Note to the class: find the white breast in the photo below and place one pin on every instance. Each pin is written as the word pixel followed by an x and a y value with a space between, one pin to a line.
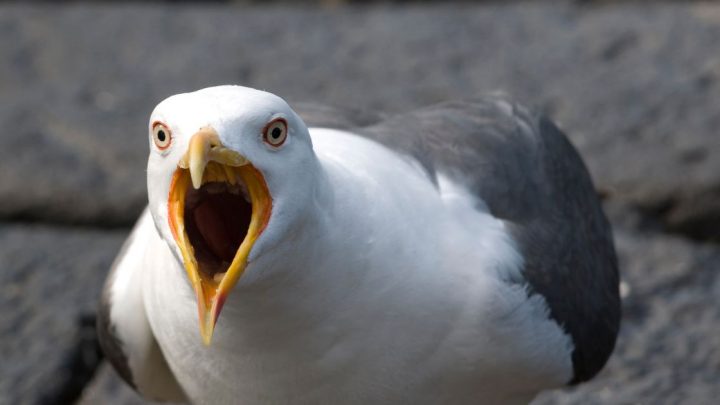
pixel 394 292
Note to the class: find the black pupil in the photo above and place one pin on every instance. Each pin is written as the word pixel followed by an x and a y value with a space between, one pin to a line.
pixel 161 135
pixel 276 132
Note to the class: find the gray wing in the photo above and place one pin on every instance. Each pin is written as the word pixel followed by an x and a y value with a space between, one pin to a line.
pixel 529 175
pixel 123 330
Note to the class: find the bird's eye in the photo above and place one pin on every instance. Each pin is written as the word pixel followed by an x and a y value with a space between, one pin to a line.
pixel 275 133
pixel 161 135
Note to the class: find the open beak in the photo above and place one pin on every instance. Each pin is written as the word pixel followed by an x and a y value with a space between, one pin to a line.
pixel 218 206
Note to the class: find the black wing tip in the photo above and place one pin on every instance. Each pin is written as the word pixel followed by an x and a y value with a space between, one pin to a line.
pixel 592 318
pixel 110 343
pixel 590 360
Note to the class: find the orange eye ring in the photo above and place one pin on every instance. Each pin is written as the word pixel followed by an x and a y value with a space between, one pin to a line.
pixel 275 132
pixel 162 136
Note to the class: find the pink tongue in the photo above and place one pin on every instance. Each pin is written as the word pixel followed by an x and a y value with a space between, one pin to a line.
pixel 213 230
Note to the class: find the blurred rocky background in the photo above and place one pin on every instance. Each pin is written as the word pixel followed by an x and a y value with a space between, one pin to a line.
pixel 636 85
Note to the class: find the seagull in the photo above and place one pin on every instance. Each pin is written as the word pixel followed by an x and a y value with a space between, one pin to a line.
pixel 453 254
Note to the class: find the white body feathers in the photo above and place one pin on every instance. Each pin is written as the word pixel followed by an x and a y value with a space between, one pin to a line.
pixel 387 290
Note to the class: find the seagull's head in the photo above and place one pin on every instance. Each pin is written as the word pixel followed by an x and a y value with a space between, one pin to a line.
pixel 228 170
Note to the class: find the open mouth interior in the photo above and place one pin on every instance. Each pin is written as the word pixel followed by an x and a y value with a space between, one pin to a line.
pixel 217 224
pixel 217 218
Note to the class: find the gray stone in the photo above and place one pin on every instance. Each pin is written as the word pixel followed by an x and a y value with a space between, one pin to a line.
pixel 50 278
pixel 634 86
